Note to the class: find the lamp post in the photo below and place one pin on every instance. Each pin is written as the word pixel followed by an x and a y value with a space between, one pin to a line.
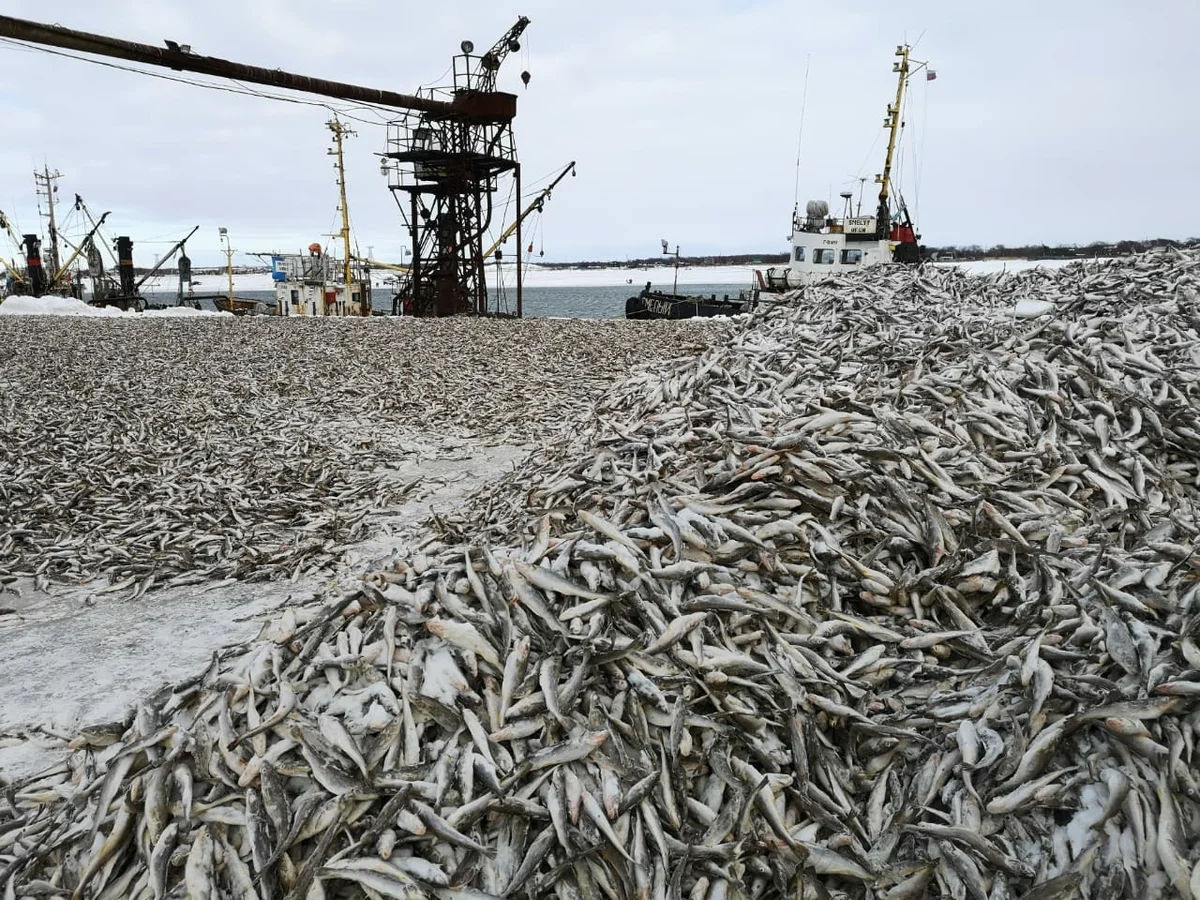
pixel 667 250
pixel 224 232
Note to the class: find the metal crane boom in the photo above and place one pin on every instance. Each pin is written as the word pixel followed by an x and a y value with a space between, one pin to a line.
pixel 174 57
pixel 489 63
pixel 78 250
pixel 162 262
pixel 535 205
pixel 376 264
pixel 12 270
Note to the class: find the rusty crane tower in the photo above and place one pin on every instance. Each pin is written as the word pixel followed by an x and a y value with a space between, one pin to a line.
pixel 449 166
pixel 447 151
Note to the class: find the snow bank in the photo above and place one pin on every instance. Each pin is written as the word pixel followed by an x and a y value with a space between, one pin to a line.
pixel 69 306
pixel 53 306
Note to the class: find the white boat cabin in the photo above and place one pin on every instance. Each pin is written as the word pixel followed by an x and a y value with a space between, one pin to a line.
pixel 316 284
pixel 824 245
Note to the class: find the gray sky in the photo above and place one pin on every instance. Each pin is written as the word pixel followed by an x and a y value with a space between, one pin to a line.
pixel 1056 121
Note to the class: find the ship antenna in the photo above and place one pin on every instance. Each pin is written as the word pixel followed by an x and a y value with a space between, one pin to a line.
pixel 800 139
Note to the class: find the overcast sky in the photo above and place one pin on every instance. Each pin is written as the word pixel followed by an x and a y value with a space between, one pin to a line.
pixel 1057 121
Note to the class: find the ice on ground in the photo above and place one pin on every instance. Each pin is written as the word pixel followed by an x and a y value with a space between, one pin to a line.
pixel 1092 798
pixel 67 664
pixel 54 306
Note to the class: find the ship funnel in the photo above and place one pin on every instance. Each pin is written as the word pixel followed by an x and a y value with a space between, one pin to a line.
pixel 33 260
pixel 125 266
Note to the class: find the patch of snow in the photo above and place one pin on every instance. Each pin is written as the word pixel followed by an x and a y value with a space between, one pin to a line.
pixel 54 306
pixel 441 678
pixel 1031 309
pixel 69 306
pixel 1092 798
pixel 74 658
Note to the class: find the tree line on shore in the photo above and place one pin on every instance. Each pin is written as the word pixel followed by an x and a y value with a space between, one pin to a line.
pixel 946 252
pixel 1059 251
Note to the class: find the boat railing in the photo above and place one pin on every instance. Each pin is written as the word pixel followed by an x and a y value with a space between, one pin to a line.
pixel 855 227
pixel 318 269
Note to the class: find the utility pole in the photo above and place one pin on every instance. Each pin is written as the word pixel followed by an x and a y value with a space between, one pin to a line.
pixel 47 188
pixel 667 251
pixel 340 131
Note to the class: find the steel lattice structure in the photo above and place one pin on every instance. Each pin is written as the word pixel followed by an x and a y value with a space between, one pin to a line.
pixel 449 165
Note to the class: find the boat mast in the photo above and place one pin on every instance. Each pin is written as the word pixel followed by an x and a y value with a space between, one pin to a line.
pixel 45 182
pixel 892 122
pixel 339 131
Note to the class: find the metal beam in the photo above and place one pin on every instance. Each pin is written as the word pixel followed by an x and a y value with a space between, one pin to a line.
pixel 100 45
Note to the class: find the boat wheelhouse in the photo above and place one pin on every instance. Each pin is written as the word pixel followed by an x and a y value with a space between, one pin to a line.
pixel 318 284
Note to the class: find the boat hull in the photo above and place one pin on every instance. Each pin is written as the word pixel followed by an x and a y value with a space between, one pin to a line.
pixel 656 305
pixel 241 307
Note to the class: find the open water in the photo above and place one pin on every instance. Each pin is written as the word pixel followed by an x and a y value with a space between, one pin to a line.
pixel 579 302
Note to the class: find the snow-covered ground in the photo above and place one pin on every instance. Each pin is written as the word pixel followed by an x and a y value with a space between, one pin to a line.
pixel 69 306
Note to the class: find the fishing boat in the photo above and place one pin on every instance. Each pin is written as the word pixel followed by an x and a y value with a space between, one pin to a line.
pixel 821 244
pixel 241 306
pixel 118 287
pixel 229 302
pixel 319 284
pixel 824 244
pixel 652 304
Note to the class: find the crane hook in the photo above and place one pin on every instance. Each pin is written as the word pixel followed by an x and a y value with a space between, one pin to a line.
pixel 525 77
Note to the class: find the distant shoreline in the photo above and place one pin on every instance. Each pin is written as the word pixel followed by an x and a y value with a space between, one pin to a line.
pixel 750 261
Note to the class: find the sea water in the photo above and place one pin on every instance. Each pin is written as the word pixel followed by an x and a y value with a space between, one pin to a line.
pixel 569 302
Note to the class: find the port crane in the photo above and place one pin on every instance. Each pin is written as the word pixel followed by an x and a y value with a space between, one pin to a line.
pixel 446 151
pixel 449 168
pixel 536 205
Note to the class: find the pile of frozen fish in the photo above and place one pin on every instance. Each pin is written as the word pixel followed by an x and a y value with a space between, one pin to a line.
pixel 891 596
pixel 170 450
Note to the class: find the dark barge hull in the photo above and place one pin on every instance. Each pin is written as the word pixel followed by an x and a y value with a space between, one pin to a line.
pixel 657 305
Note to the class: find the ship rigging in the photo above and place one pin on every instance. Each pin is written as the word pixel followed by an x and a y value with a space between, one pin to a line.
pixel 823 244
